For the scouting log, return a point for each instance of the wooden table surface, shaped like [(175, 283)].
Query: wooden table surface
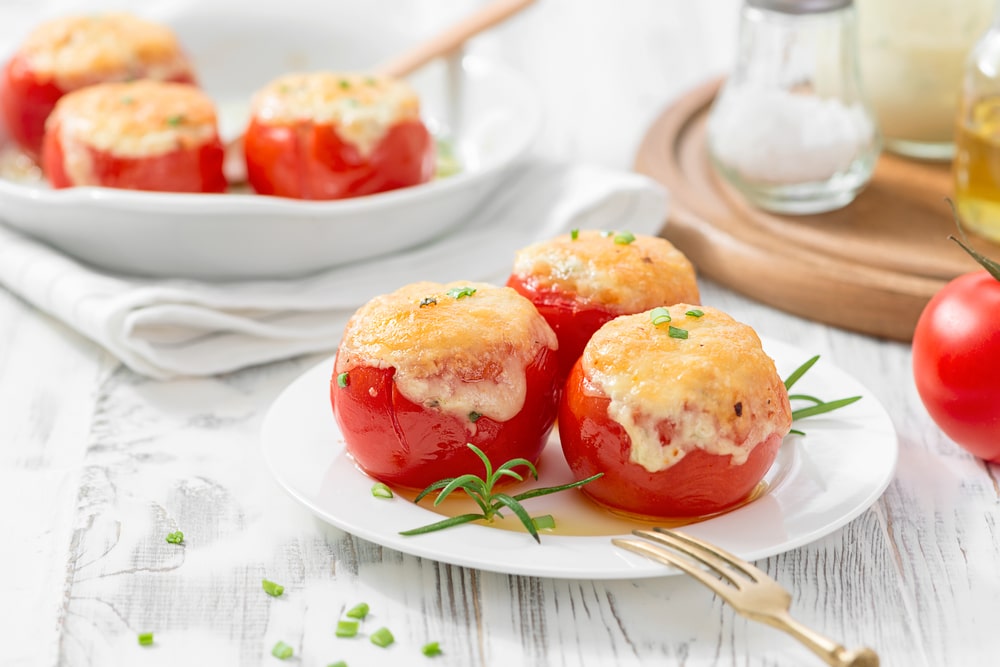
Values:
[(97, 464)]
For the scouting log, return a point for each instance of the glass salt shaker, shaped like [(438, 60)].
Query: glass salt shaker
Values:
[(791, 128)]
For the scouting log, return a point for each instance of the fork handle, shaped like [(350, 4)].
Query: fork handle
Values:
[(830, 651)]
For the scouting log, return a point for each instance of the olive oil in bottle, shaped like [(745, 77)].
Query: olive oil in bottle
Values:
[(976, 168)]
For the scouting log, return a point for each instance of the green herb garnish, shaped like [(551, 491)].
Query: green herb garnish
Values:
[(382, 637), (271, 588), (480, 489), (474, 416), (818, 406), (175, 537), (380, 490), (431, 649), (345, 84), (695, 313), (145, 638), (675, 332), (624, 238), (544, 522), (175, 120), (342, 380), (282, 651), (659, 315), (574, 234), (359, 610), (346, 629), (461, 292), (339, 663)]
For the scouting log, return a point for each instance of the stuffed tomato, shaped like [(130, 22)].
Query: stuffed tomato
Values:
[(680, 408), (325, 135), (144, 135), (580, 281), (73, 52), (430, 367)]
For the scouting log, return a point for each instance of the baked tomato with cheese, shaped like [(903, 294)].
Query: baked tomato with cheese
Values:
[(326, 135), (430, 367), (581, 280), (72, 52), (143, 135), (679, 407)]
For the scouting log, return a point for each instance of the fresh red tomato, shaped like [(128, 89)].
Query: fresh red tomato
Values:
[(410, 445), (700, 484), (573, 321), (26, 100), (956, 361), (311, 161), (197, 169)]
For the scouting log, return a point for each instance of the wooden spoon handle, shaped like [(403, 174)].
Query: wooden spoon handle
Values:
[(452, 37)]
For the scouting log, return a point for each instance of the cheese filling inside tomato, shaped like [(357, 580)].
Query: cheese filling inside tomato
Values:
[(621, 277), (361, 108), (716, 390), (456, 354)]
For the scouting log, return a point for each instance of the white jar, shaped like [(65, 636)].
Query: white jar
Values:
[(912, 55)]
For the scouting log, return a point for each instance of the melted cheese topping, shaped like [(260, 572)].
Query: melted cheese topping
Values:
[(132, 120), (75, 51), (716, 390), (361, 107), (457, 355), (623, 278)]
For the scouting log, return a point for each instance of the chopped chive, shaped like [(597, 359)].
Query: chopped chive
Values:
[(346, 629), (659, 315), (574, 234), (474, 416), (345, 84), (380, 490), (624, 238), (695, 313), (339, 663), (359, 610), (431, 649), (459, 292), (175, 537), (175, 120), (674, 332), (544, 522), (145, 638), (271, 588), (342, 379), (382, 637), (282, 651), (428, 301)]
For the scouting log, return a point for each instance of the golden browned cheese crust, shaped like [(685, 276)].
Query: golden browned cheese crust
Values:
[(458, 353), (717, 388), (362, 107), (622, 277), (79, 50)]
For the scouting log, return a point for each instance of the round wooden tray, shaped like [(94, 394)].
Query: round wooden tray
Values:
[(869, 267)]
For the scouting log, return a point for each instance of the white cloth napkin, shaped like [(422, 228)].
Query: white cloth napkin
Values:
[(166, 328)]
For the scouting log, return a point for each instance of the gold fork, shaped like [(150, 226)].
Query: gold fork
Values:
[(746, 588)]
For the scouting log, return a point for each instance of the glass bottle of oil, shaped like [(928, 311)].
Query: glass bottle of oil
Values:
[(976, 166)]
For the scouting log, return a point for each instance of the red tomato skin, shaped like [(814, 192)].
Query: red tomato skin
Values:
[(408, 445), (311, 161), (956, 362), (700, 484), (573, 321), (197, 169), (26, 100)]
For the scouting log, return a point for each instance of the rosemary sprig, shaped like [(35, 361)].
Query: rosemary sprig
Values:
[(818, 406), (480, 489)]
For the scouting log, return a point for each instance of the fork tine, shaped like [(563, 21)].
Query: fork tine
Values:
[(658, 553), (674, 536), (704, 556)]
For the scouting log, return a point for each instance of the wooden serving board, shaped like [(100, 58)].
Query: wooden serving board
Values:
[(869, 267)]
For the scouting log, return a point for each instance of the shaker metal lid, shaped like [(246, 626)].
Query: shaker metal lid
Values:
[(800, 6)]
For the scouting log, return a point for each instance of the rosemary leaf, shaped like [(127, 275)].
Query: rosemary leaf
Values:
[(441, 525), (534, 493), (522, 514), (799, 372), (812, 410)]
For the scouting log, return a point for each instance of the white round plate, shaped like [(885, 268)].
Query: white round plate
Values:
[(818, 483), (484, 109)]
